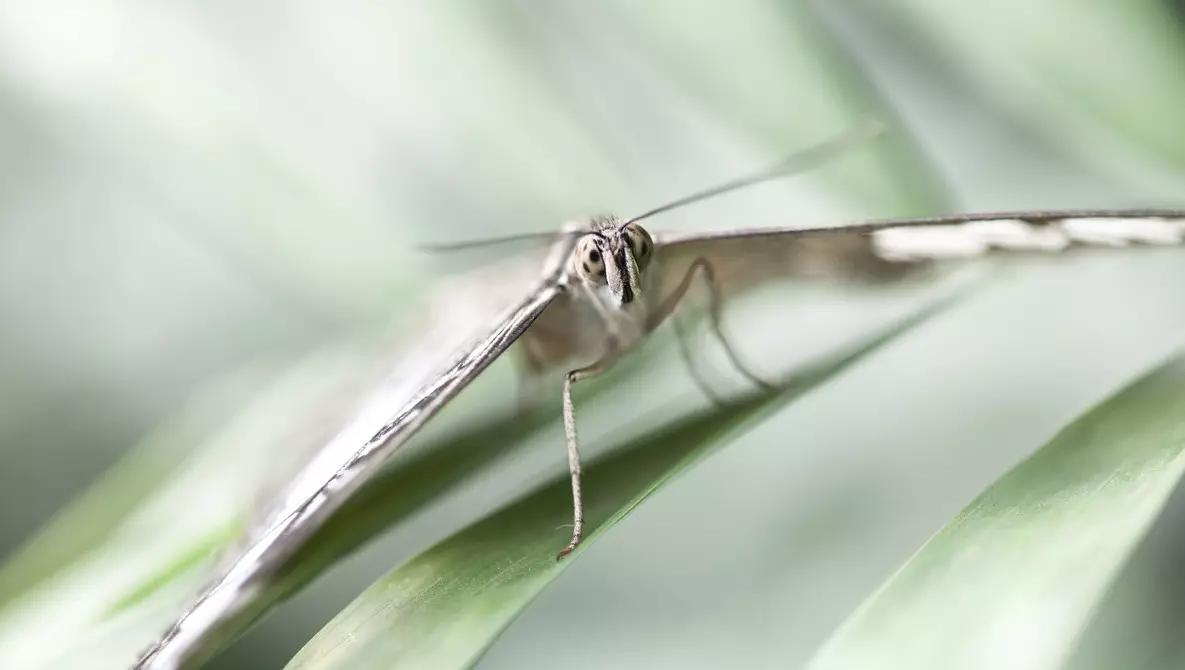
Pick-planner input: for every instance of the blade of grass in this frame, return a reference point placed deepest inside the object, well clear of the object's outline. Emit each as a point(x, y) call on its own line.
point(96, 513)
point(1014, 578)
point(134, 528)
point(446, 606)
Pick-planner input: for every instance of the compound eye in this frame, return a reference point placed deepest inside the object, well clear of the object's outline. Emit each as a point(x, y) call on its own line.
point(589, 262)
point(641, 244)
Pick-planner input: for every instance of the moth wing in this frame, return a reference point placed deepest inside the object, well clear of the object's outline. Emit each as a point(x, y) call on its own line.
point(742, 259)
point(889, 249)
point(470, 321)
point(453, 334)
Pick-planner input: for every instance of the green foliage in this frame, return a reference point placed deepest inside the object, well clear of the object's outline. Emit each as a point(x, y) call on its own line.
point(1015, 576)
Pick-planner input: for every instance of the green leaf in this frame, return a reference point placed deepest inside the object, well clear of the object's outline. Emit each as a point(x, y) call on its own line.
point(1012, 581)
point(446, 606)
point(131, 536)
point(94, 514)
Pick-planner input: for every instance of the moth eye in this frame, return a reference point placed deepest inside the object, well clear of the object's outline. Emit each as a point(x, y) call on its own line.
point(640, 243)
point(589, 263)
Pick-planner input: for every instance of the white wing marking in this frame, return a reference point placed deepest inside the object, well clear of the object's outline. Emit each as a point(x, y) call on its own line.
point(889, 249)
point(976, 238)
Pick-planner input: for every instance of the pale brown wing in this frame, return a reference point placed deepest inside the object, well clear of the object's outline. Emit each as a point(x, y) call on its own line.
point(884, 250)
point(469, 323)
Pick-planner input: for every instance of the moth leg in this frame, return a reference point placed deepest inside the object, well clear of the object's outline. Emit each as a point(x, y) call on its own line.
point(573, 451)
point(716, 318)
point(715, 314)
point(682, 338)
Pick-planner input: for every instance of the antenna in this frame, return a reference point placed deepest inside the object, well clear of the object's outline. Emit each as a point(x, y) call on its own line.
point(806, 159)
point(470, 244)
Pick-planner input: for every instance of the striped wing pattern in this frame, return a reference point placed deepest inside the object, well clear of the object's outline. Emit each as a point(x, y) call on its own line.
point(448, 356)
point(885, 250)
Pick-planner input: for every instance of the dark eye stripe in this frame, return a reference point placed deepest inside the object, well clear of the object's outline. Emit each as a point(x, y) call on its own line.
point(638, 242)
point(639, 245)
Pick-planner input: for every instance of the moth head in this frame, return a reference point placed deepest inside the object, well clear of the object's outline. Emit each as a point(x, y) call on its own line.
point(614, 254)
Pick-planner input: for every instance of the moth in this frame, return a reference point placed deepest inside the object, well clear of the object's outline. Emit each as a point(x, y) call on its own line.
point(600, 288)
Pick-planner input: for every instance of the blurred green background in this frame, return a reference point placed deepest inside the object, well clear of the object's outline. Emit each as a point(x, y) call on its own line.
point(193, 196)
